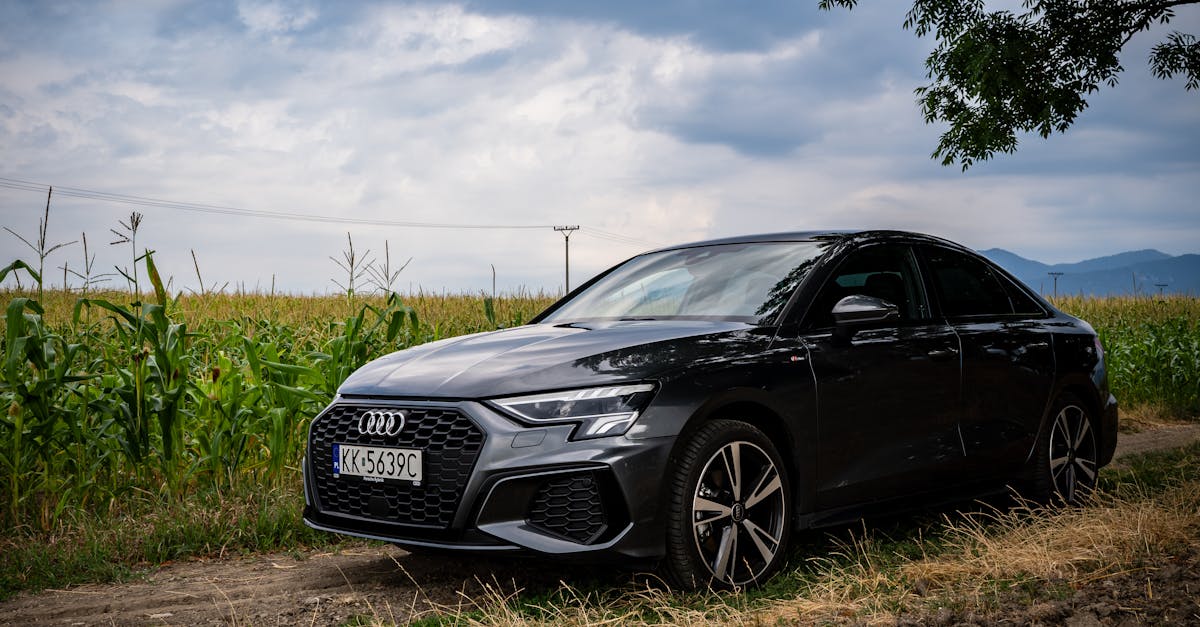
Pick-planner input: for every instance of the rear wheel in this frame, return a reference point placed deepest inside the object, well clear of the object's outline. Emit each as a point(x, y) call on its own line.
point(730, 518)
point(1065, 467)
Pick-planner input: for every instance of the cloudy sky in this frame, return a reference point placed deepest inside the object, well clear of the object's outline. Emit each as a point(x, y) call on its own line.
point(646, 123)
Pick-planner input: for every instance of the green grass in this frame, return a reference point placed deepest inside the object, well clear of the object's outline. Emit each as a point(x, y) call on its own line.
point(144, 531)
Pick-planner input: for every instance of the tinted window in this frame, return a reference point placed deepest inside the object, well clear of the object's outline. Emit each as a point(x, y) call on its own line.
point(884, 271)
point(1022, 302)
point(746, 282)
point(966, 286)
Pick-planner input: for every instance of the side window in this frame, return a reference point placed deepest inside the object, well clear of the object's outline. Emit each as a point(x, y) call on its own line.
point(966, 286)
point(884, 271)
point(1022, 302)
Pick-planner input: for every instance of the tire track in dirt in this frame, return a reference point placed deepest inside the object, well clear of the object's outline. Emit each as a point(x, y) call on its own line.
point(381, 582)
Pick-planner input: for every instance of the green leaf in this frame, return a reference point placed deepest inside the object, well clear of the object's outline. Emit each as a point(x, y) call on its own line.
point(19, 265)
point(160, 294)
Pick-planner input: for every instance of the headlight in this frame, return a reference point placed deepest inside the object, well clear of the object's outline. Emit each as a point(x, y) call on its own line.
point(600, 412)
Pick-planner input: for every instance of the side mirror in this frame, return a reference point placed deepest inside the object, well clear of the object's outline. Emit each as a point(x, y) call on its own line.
point(860, 309)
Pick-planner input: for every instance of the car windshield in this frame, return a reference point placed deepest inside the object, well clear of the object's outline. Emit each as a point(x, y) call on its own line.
point(747, 282)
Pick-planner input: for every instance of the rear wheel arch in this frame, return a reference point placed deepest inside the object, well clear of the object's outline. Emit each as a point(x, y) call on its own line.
point(1071, 432)
point(1082, 389)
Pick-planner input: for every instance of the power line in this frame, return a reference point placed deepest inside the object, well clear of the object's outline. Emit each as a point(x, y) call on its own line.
point(143, 201)
point(617, 237)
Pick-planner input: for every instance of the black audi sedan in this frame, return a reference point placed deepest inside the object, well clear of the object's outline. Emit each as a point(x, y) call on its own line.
point(695, 405)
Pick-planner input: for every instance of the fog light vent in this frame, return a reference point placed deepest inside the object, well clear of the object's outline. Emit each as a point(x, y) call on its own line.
point(570, 507)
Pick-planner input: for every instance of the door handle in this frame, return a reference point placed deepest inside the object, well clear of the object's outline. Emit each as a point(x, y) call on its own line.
point(940, 354)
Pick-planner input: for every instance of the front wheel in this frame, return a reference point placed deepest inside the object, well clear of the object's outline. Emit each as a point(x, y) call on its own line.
point(1065, 464)
point(730, 518)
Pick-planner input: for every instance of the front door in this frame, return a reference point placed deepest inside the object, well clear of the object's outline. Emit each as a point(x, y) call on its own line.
point(887, 393)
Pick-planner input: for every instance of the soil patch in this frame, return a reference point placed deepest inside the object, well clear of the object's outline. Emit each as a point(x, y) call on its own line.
point(1166, 593)
point(1165, 437)
point(372, 582)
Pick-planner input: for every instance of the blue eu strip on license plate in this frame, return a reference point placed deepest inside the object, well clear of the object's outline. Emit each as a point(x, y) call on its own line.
point(377, 463)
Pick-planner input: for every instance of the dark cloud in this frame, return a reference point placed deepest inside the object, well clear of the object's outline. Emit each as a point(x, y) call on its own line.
point(187, 18)
point(747, 118)
point(784, 102)
point(714, 24)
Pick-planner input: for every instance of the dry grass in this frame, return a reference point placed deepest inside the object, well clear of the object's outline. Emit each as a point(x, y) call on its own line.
point(1073, 545)
point(983, 551)
point(972, 558)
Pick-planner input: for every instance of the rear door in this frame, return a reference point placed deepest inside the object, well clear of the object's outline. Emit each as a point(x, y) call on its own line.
point(887, 393)
point(1007, 357)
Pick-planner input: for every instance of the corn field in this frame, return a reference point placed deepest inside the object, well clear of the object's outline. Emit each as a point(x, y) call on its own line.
point(1152, 346)
point(169, 396)
point(108, 395)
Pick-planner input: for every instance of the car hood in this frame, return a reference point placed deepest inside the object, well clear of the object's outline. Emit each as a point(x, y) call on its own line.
point(545, 357)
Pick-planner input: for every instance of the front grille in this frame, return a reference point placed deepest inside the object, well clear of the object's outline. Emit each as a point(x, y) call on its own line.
point(450, 443)
point(570, 507)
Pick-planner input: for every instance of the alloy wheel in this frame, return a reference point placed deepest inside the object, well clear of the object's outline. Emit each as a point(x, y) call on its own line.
point(738, 513)
point(1072, 453)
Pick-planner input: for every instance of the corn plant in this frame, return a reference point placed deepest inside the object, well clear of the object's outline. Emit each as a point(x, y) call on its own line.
point(358, 339)
point(225, 407)
point(40, 246)
point(289, 400)
point(37, 380)
point(150, 377)
point(357, 267)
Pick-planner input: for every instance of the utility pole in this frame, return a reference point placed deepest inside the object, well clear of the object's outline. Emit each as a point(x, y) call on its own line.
point(1160, 287)
point(1055, 275)
point(566, 231)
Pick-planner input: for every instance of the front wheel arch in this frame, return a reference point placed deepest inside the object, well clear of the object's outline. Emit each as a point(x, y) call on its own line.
point(789, 440)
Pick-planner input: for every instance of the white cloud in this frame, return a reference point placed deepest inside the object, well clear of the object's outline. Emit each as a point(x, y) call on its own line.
point(434, 113)
point(274, 17)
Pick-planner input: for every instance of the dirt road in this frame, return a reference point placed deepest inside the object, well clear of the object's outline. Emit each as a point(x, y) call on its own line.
point(383, 583)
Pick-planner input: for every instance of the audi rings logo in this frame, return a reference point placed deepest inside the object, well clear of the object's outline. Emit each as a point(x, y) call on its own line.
point(381, 422)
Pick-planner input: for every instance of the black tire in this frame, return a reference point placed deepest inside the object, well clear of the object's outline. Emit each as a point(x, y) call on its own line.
point(1064, 468)
point(730, 490)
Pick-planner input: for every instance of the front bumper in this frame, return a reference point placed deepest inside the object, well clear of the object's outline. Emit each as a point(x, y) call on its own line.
point(527, 490)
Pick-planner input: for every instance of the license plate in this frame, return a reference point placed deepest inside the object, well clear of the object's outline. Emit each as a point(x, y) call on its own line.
point(377, 463)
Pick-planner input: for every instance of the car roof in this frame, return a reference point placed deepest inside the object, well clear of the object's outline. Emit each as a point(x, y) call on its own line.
point(844, 236)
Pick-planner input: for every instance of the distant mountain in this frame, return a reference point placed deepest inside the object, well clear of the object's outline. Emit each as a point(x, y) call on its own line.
point(1125, 273)
point(1016, 264)
point(1113, 262)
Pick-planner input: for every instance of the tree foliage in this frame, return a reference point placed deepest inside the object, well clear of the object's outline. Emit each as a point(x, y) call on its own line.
point(996, 73)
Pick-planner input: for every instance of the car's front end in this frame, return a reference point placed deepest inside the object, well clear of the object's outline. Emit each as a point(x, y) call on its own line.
point(545, 439)
point(487, 482)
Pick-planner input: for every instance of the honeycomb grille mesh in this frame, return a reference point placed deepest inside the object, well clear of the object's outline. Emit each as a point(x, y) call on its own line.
point(570, 507)
point(450, 443)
